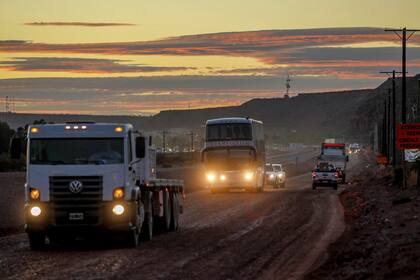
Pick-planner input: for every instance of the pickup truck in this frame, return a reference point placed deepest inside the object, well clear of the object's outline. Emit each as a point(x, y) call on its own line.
point(86, 179)
point(325, 174)
point(275, 175)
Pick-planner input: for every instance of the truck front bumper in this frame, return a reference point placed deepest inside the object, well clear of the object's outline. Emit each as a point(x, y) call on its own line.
point(53, 218)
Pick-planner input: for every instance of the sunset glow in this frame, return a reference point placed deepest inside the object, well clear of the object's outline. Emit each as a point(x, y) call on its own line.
point(235, 51)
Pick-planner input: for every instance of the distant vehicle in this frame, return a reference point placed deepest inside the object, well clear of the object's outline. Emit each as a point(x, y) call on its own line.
point(354, 148)
point(85, 178)
point(275, 175)
point(325, 174)
point(234, 154)
point(335, 153)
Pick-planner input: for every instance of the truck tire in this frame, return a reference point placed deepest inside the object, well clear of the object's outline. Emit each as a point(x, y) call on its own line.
point(283, 185)
point(133, 235)
point(147, 228)
point(343, 180)
point(313, 187)
point(175, 211)
point(36, 241)
point(165, 221)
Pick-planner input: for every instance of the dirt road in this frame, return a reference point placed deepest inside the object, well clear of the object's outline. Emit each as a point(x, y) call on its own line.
point(270, 235)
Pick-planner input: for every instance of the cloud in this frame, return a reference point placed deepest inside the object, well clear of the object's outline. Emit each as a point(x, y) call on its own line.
point(78, 23)
point(263, 45)
point(80, 65)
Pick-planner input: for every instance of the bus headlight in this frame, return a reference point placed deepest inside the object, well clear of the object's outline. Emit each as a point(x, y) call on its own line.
point(211, 177)
point(118, 209)
point(35, 211)
point(34, 194)
point(248, 176)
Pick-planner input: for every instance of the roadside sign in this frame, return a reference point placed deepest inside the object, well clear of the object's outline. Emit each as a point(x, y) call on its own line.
point(408, 136)
point(412, 155)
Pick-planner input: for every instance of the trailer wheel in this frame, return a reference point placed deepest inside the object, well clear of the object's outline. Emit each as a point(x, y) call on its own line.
point(36, 241)
point(175, 211)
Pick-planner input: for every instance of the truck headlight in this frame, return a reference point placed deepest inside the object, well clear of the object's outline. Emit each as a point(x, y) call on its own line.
point(118, 209)
point(211, 177)
point(118, 193)
point(222, 177)
point(271, 176)
point(35, 211)
point(280, 175)
point(248, 175)
point(34, 194)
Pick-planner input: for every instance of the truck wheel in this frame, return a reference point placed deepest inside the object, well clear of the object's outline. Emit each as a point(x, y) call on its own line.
point(36, 241)
point(313, 187)
point(283, 185)
point(167, 212)
point(175, 212)
point(134, 234)
point(147, 228)
point(343, 180)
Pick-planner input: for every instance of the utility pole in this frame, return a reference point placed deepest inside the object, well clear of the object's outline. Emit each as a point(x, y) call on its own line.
point(164, 141)
point(404, 38)
point(388, 126)
point(192, 141)
point(394, 116)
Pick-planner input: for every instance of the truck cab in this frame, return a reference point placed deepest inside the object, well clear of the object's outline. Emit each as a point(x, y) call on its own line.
point(86, 177)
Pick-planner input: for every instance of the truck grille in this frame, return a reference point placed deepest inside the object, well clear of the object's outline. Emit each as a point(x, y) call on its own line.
point(88, 201)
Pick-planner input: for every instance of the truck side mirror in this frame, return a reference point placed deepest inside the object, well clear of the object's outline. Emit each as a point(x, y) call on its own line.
point(140, 147)
point(15, 148)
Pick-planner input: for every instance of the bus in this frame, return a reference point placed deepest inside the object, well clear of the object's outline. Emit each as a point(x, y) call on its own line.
point(234, 154)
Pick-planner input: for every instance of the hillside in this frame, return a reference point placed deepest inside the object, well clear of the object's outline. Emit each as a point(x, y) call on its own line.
point(308, 117)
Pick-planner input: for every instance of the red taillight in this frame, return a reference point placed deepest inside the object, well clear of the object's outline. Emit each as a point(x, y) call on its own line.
point(313, 174)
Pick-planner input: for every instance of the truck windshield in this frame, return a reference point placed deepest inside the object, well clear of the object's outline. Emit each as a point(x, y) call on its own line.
point(231, 131)
point(77, 151)
point(229, 159)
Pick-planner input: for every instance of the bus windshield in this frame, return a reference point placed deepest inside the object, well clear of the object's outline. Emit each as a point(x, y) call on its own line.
point(76, 151)
point(229, 131)
point(229, 159)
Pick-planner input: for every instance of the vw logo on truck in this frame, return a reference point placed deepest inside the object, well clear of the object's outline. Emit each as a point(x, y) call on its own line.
point(75, 186)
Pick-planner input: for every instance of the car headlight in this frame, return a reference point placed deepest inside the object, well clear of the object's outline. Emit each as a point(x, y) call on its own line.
point(248, 176)
point(34, 194)
point(118, 209)
point(36, 211)
point(211, 177)
point(118, 193)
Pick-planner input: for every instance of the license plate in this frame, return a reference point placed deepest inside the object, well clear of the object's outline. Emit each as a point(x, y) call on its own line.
point(76, 216)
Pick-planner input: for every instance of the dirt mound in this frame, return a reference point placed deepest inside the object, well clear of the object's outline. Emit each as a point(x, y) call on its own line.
point(382, 237)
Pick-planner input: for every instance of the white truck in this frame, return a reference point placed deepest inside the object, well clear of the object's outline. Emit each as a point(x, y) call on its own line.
point(83, 178)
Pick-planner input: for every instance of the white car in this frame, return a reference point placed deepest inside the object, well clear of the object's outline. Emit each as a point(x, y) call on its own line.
point(275, 175)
